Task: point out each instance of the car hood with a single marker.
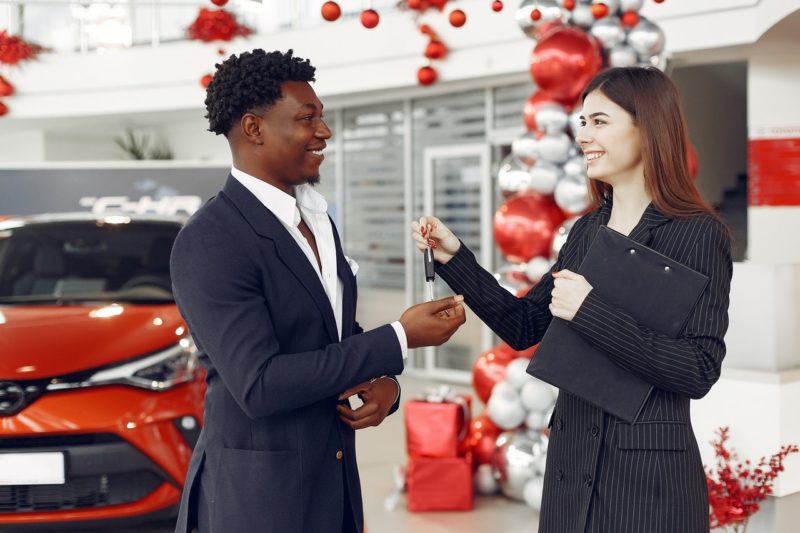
(44, 341)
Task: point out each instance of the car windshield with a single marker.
(82, 261)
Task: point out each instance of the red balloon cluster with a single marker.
(525, 225)
(216, 25)
(481, 437)
(489, 369)
(14, 49)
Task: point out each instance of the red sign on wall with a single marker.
(774, 172)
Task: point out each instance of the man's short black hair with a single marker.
(248, 81)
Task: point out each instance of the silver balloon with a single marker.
(536, 268)
(551, 118)
(505, 406)
(515, 459)
(525, 148)
(572, 194)
(533, 491)
(582, 16)
(512, 277)
(646, 38)
(544, 177)
(514, 175)
(575, 150)
(536, 395)
(550, 12)
(630, 5)
(608, 31)
(576, 166)
(613, 5)
(561, 237)
(575, 121)
(554, 148)
(662, 62)
(622, 55)
(485, 482)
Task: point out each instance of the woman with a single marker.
(605, 475)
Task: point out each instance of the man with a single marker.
(260, 277)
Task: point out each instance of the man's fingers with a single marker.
(354, 390)
(445, 303)
(365, 410)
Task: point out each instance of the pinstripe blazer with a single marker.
(604, 475)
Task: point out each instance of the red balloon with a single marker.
(426, 75)
(599, 10)
(6, 89)
(691, 158)
(457, 18)
(569, 5)
(206, 80)
(435, 50)
(481, 437)
(369, 18)
(497, 6)
(527, 353)
(331, 11)
(630, 19)
(488, 370)
(537, 100)
(525, 225)
(564, 61)
(219, 3)
(4, 110)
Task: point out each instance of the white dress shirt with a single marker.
(311, 206)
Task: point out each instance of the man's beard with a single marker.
(314, 180)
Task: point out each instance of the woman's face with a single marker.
(610, 141)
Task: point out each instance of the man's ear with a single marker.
(252, 128)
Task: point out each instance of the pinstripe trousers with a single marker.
(604, 475)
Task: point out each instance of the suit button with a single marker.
(560, 424)
(587, 479)
(594, 431)
(339, 455)
(559, 475)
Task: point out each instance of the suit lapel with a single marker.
(266, 224)
(651, 219)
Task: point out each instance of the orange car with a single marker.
(101, 396)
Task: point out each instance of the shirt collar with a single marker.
(282, 205)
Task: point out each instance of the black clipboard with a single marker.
(657, 291)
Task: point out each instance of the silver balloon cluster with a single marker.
(521, 406)
(627, 37)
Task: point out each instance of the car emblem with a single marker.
(12, 398)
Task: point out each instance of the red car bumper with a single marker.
(126, 453)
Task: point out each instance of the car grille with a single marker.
(79, 492)
(102, 470)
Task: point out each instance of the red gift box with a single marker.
(439, 484)
(436, 429)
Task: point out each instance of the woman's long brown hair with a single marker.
(651, 98)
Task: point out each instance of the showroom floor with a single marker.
(380, 449)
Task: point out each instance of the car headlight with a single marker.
(159, 371)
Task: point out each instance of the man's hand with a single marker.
(378, 397)
(433, 323)
(569, 292)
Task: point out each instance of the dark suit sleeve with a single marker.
(688, 365)
(520, 322)
(217, 285)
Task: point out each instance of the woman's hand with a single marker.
(430, 230)
(569, 292)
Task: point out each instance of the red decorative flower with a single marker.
(216, 25)
(13, 49)
(734, 489)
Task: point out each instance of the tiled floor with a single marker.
(380, 449)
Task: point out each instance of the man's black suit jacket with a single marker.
(273, 453)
